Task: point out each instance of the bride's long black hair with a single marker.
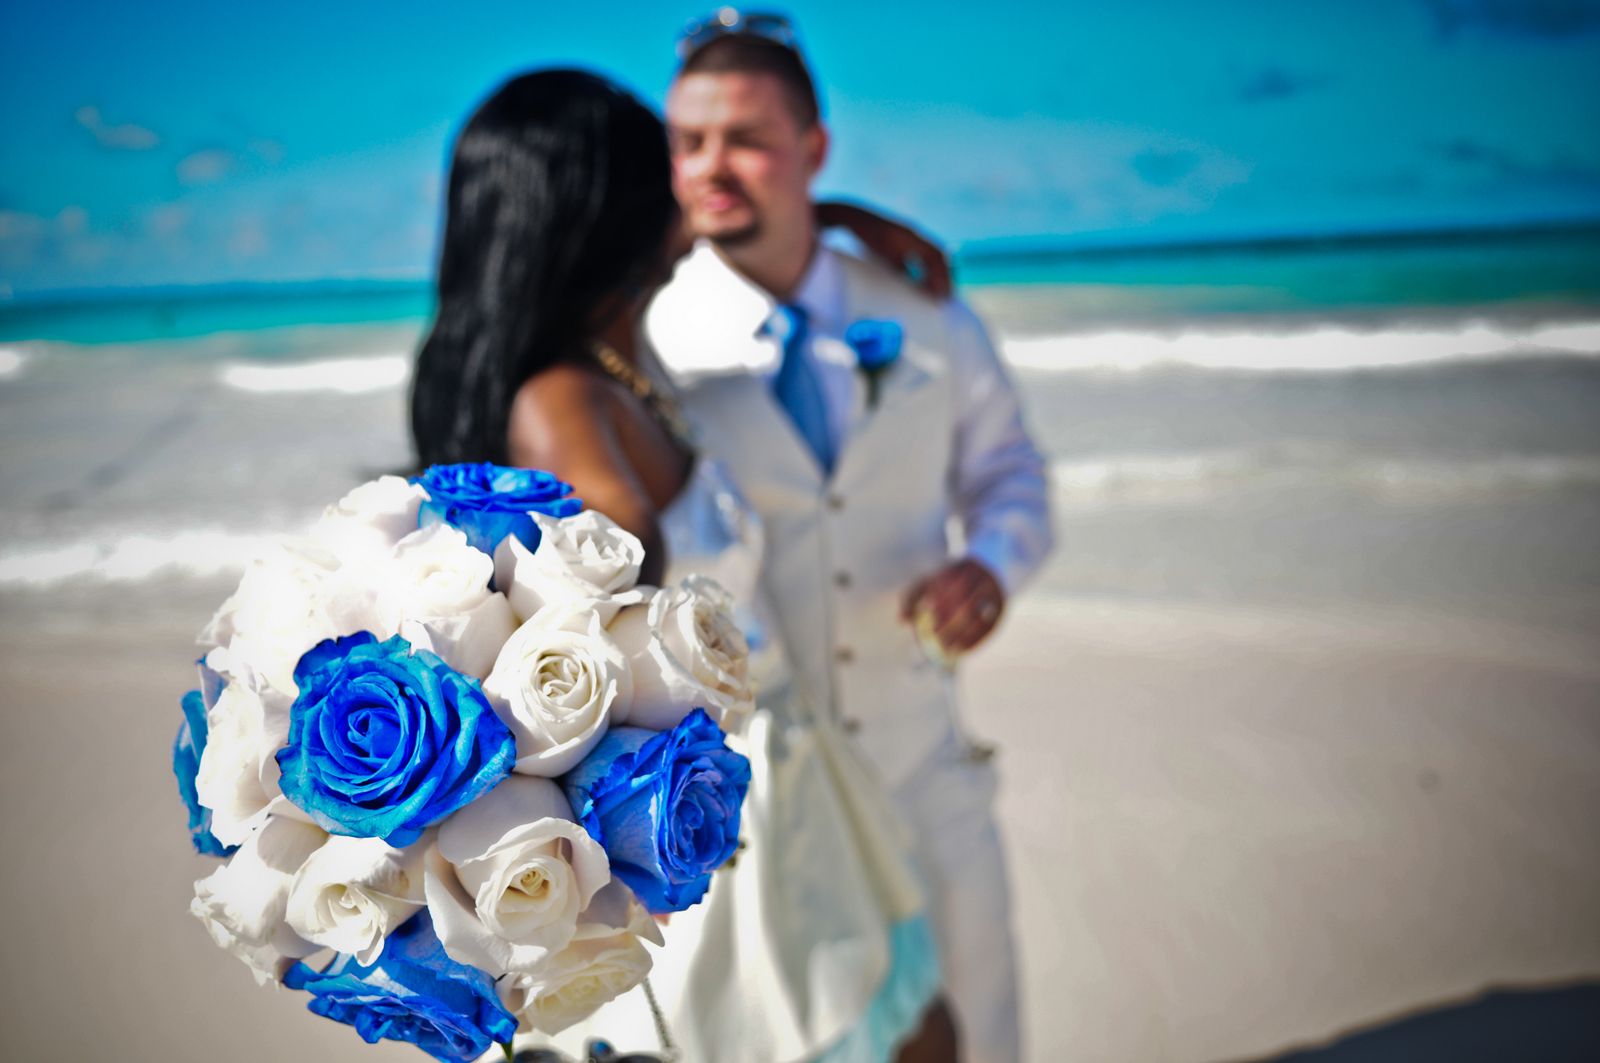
(560, 200)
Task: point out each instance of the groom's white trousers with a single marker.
(949, 805)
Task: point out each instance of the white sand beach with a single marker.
(1298, 730)
(1237, 831)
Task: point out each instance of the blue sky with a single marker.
(190, 143)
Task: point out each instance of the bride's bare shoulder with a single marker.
(560, 385)
(559, 407)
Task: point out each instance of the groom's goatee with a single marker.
(737, 237)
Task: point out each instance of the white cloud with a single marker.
(249, 239)
(167, 220)
(24, 237)
(91, 249)
(124, 137)
(206, 165)
(17, 226)
(268, 151)
(72, 220)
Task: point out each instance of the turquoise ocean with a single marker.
(1532, 273)
(1419, 412)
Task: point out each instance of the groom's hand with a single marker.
(966, 600)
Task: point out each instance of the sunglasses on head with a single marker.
(726, 21)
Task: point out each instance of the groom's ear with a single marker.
(815, 143)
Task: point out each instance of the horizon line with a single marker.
(1086, 246)
(973, 253)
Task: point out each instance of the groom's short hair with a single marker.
(745, 53)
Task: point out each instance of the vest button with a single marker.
(844, 655)
(841, 580)
(851, 726)
(835, 501)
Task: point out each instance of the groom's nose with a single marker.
(709, 160)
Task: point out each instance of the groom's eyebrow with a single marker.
(740, 131)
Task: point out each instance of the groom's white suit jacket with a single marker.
(945, 439)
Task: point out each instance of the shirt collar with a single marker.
(821, 291)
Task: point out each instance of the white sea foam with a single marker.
(1199, 478)
(11, 362)
(1325, 348)
(193, 553)
(346, 376)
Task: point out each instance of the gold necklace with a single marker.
(662, 407)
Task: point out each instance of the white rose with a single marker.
(510, 876)
(352, 892)
(434, 572)
(558, 683)
(238, 774)
(576, 982)
(278, 611)
(685, 652)
(435, 593)
(605, 959)
(469, 642)
(350, 595)
(371, 518)
(580, 557)
(242, 903)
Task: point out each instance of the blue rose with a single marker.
(489, 502)
(664, 805)
(187, 749)
(385, 741)
(413, 993)
(877, 344)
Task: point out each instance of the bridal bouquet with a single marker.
(447, 741)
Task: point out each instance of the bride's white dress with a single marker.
(812, 945)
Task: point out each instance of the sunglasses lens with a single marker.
(772, 27)
(775, 28)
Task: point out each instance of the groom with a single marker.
(855, 472)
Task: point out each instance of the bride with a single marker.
(560, 225)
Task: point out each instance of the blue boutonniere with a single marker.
(877, 345)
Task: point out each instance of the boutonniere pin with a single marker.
(877, 345)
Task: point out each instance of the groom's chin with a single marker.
(733, 235)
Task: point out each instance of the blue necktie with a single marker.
(796, 386)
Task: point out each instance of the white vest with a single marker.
(840, 551)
